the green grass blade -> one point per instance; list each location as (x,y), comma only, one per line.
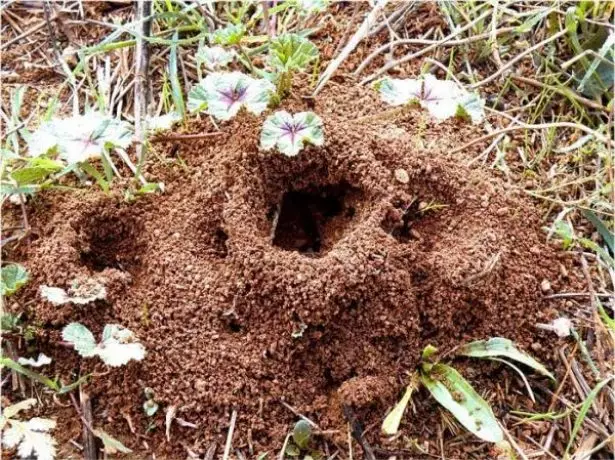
(583,412)
(606,235)
(453,392)
(8,362)
(503,348)
(608,322)
(176,90)
(390,425)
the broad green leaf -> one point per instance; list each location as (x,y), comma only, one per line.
(442,98)
(37,171)
(291,52)
(214,57)
(9,322)
(453,392)
(302,432)
(81,338)
(111,445)
(583,412)
(391,423)
(503,348)
(13,277)
(229,35)
(81,137)
(223,94)
(291,132)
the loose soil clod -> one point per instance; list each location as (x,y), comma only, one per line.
(215,289)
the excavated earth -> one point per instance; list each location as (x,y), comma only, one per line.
(314,280)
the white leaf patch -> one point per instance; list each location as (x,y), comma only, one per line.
(223,94)
(162,122)
(442,98)
(312,6)
(42,360)
(291,132)
(118,346)
(81,292)
(214,57)
(30,437)
(80,138)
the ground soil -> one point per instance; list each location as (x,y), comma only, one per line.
(315,280)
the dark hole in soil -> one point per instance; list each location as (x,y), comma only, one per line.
(219,243)
(110,243)
(398,222)
(312,220)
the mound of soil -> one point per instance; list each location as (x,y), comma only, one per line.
(316,280)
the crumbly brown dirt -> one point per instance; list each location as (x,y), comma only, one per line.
(315,280)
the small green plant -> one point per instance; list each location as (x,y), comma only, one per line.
(223,94)
(80,138)
(229,35)
(13,277)
(442,98)
(301,436)
(118,345)
(30,437)
(452,391)
(289,133)
(290,53)
(150,406)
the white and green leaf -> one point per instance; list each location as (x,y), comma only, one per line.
(214,57)
(502,348)
(81,292)
(443,99)
(223,94)
(31,438)
(289,133)
(81,338)
(80,138)
(453,392)
(119,346)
